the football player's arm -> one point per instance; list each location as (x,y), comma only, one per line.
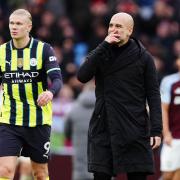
(166,130)
(54,73)
(166,100)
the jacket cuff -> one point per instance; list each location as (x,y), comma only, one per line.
(153,134)
(105,44)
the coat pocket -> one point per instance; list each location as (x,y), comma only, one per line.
(98,124)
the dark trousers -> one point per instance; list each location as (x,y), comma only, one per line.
(130,176)
(137,176)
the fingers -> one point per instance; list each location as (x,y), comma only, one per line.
(112,38)
(168,143)
(151,141)
(168,139)
(155,142)
(44,98)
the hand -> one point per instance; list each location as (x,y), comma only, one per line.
(168,138)
(155,142)
(44,98)
(112,38)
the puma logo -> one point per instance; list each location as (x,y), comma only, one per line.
(7,62)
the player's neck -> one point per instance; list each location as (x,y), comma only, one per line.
(21,43)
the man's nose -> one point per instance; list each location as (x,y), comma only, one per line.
(114,30)
(14,26)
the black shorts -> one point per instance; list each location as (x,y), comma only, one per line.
(33,142)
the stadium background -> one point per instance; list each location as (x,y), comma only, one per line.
(73,28)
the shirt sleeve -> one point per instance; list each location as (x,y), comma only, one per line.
(50,60)
(165,89)
(153,95)
(52,69)
(88,69)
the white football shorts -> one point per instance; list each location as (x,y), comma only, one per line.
(170,156)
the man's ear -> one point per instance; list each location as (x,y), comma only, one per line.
(130,31)
(30,27)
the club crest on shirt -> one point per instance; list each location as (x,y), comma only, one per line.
(33,61)
(177,91)
(20,62)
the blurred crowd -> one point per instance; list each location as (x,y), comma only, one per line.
(75,27)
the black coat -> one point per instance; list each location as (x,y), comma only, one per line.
(120,128)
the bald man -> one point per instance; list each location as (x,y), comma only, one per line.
(122,134)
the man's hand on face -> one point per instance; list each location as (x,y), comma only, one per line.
(112,38)
(44,98)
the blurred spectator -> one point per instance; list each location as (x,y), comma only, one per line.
(72,22)
(36,11)
(56,6)
(128,6)
(166,33)
(79,13)
(176,48)
(68,65)
(62,104)
(99,33)
(75,84)
(47,28)
(159,67)
(63,101)
(76,127)
(65,29)
(58,53)
(175,4)
(170,154)
(99,8)
(80,51)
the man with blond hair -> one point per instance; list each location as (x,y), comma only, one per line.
(25,122)
(121,134)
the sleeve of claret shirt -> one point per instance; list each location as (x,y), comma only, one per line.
(52,69)
(165,89)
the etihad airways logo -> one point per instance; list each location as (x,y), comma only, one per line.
(20,77)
